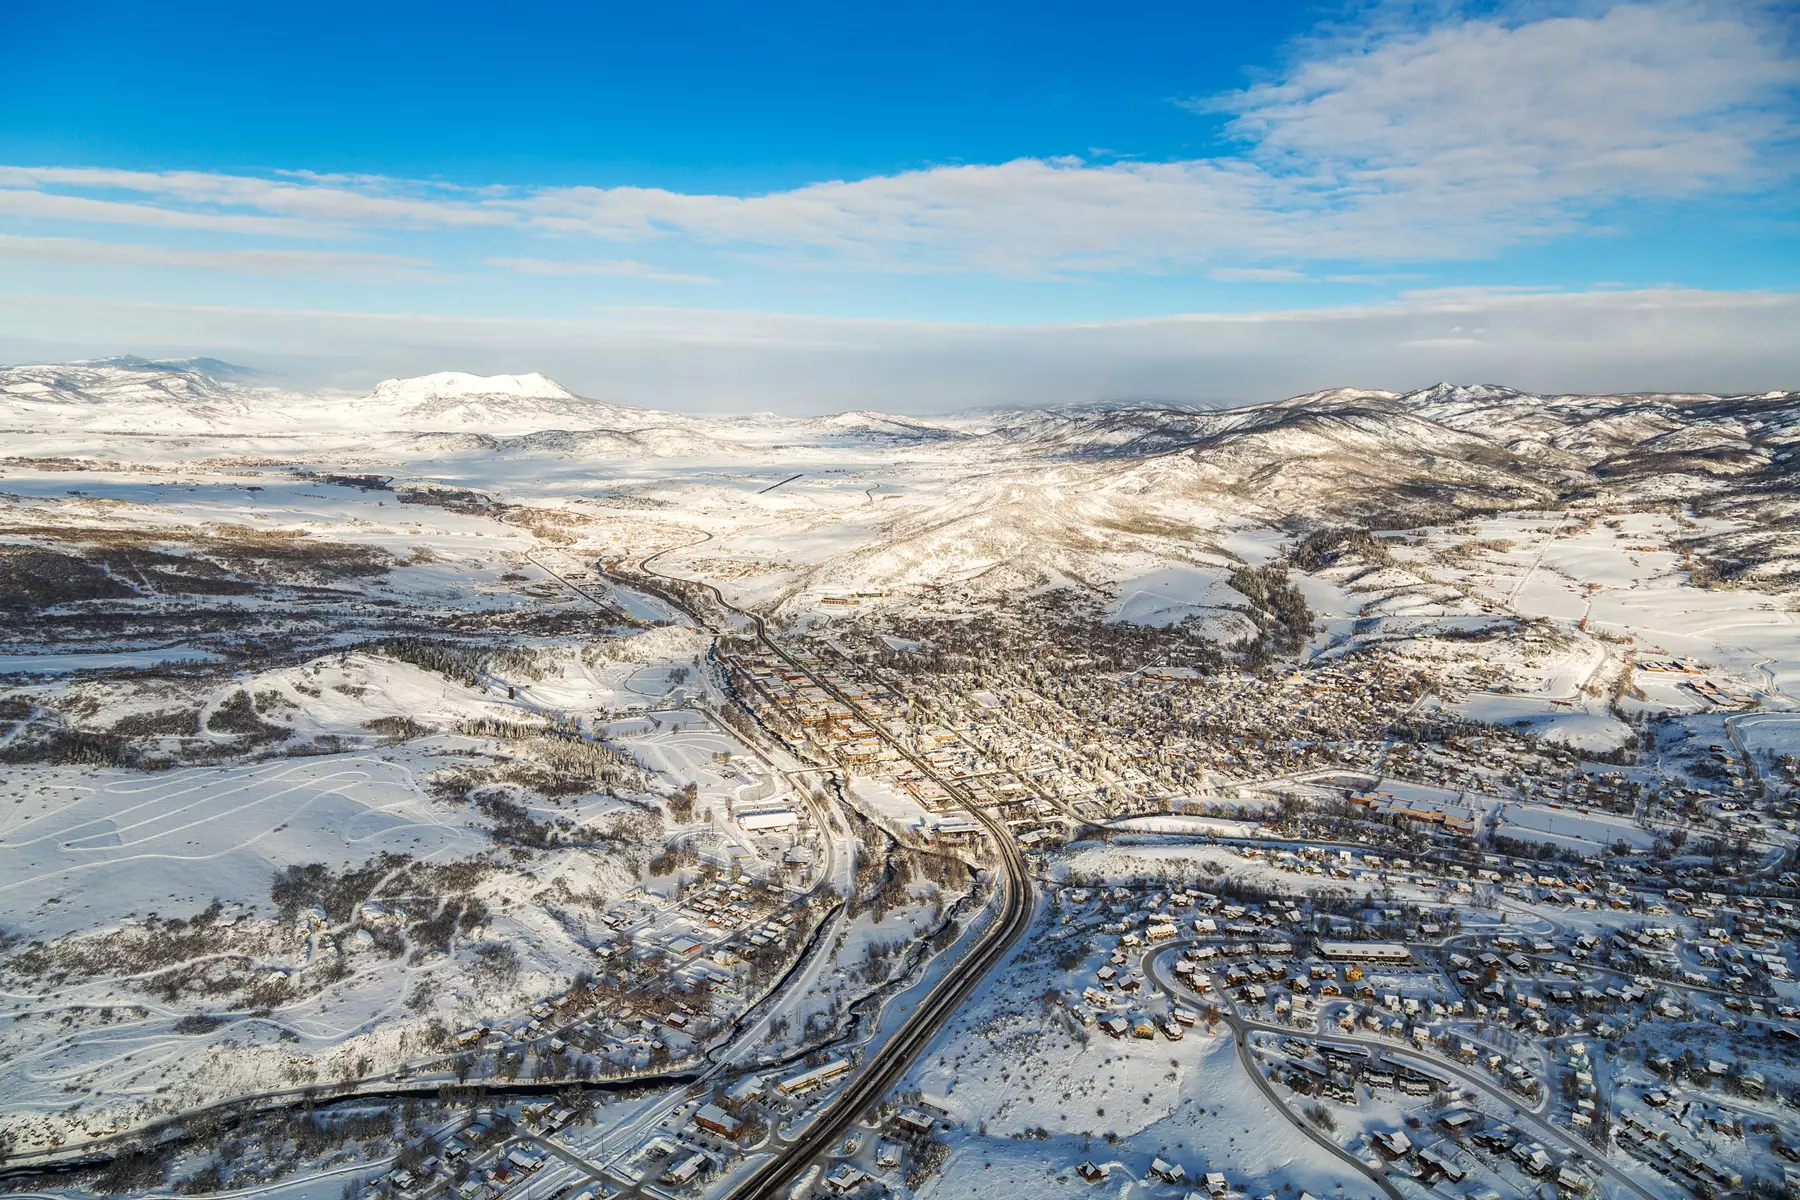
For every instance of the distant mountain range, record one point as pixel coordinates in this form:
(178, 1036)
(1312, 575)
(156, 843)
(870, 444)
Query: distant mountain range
(1345, 455)
(214, 367)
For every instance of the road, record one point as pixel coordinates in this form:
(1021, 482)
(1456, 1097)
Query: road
(883, 1068)
(1240, 1034)
(839, 869)
(1512, 597)
(1242, 1026)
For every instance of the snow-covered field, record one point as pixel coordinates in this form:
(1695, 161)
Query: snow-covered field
(1033, 1094)
(335, 725)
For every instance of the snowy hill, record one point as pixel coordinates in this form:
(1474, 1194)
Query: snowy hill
(136, 396)
(1341, 454)
(216, 368)
(874, 426)
(1075, 494)
(494, 404)
(132, 395)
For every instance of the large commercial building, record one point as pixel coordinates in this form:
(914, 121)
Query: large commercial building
(1376, 952)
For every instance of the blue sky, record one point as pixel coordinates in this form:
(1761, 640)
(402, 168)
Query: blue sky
(675, 187)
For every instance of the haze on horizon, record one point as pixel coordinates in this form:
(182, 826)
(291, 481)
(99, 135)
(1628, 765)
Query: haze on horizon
(820, 210)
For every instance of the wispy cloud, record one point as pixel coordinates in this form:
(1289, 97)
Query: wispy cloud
(90, 210)
(1406, 143)
(320, 203)
(625, 267)
(254, 261)
(1532, 123)
(1258, 275)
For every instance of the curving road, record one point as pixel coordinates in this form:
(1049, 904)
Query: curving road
(887, 1063)
(1242, 1026)
(1240, 1034)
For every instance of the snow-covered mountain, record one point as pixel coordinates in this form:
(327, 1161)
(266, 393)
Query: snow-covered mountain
(1068, 490)
(216, 368)
(1042, 494)
(884, 427)
(1346, 451)
(136, 396)
(501, 405)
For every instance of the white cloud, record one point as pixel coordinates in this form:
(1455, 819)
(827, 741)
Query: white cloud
(624, 267)
(255, 261)
(323, 202)
(1406, 144)
(87, 209)
(1258, 275)
(673, 358)
(1534, 123)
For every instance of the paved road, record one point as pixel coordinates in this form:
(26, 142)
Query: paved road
(1242, 1026)
(891, 1059)
(1240, 1033)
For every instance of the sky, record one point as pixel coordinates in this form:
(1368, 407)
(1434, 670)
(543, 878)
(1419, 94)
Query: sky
(914, 206)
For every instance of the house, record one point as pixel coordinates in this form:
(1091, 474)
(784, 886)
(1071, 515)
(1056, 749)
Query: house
(1433, 1160)
(1393, 1145)
(1571, 1180)
(913, 1121)
(847, 1178)
(714, 1119)
(748, 1088)
(1167, 1172)
(1215, 1184)
(686, 1170)
(1456, 1122)
(1092, 1172)
(1533, 1159)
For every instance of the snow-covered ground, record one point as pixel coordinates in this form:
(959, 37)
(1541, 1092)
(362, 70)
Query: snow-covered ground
(385, 652)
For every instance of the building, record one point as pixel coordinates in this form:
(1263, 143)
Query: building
(1394, 1145)
(846, 1178)
(766, 820)
(1376, 952)
(1455, 818)
(686, 1170)
(914, 1121)
(1168, 1172)
(714, 1119)
(1433, 1160)
(750, 1087)
(805, 1081)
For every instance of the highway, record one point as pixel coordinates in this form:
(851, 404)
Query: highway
(888, 1062)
